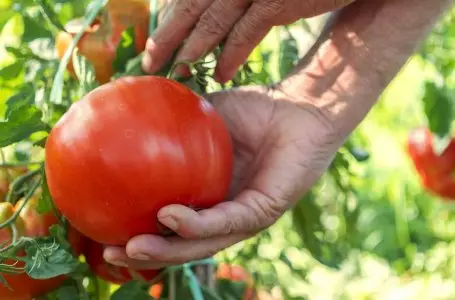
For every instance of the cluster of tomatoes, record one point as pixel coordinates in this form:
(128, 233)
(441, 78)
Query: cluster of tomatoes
(32, 224)
(436, 171)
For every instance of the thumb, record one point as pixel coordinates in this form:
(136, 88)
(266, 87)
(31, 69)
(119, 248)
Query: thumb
(249, 213)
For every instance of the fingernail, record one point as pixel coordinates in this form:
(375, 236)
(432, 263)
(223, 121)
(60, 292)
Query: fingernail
(118, 263)
(140, 256)
(170, 222)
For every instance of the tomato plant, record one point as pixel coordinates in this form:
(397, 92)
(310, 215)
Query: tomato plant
(30, 224)
(131, 147)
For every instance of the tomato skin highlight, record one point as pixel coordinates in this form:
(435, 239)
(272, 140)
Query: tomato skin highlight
(131, 147)
(30, 223)
(110, 273)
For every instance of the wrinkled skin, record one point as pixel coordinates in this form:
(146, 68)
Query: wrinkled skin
(121, 154)
(201, 25)
(31, 224)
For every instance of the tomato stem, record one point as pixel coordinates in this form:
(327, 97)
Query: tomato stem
(27, 198)
(16, 184)
(20, 164)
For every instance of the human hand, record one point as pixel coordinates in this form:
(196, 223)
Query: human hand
(281, 149)
(242, 24)
(285, 137)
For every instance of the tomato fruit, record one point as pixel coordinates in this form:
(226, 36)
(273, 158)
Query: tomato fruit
(99, 42)
(131, 147)
(110, 273)
(31, 224)
(435, 170)
(237, 273)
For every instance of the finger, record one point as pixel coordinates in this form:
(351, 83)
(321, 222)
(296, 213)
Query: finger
(180, 18)
(155, 252)
(214, 24)
(249, 213)
(244, 37)
(117, 256)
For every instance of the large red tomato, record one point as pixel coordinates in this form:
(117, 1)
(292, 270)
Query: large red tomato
(131, 147)
(114, 274)
(30, 224)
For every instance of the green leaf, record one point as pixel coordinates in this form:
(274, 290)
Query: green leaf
(34, 30)
(132, 290)
(5, 16)
(13, 70)
(20, 124)
(46, 259)
(232, 290)
(438, 105)
(45, 203)
(126, 50)
(24, 97)
(289, 55)
(68, 292)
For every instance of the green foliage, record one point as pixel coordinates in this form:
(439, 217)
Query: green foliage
(369, 205)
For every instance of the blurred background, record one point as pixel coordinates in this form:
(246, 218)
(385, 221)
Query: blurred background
(369, 229)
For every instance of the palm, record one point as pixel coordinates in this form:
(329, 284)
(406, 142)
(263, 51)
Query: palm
(275, 142)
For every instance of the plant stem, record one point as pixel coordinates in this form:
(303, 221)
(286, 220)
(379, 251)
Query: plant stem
(19, 182)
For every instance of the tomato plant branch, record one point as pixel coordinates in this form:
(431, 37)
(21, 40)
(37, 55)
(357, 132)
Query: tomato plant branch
(16, 184)
(20, 164)
(27, 198)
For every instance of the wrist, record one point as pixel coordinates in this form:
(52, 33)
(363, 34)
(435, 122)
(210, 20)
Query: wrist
(368, 44)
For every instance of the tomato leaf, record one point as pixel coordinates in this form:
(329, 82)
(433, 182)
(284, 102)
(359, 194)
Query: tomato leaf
(289, 54)
(20, 124)
(85, 72)
(24, 97)
(45, 259)
(126, 50)
(231, 289)
(13, 70)
(34, 30)
(45, 203)
(5, 16)
(132, 290)
(438, 107)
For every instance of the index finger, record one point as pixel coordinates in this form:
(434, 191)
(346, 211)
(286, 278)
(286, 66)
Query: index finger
(180, 18)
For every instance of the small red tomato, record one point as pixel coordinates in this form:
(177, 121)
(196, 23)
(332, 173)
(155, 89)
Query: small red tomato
(131, 147)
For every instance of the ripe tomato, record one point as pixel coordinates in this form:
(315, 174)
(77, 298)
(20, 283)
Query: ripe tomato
(99, 42)
(114, 274)
(31, 224)
(435, 170)
(131, 147)
(237, 274)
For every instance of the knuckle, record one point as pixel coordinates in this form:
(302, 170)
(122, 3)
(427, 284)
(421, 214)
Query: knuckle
(211, 24)
(188, 8)
(272, 8)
